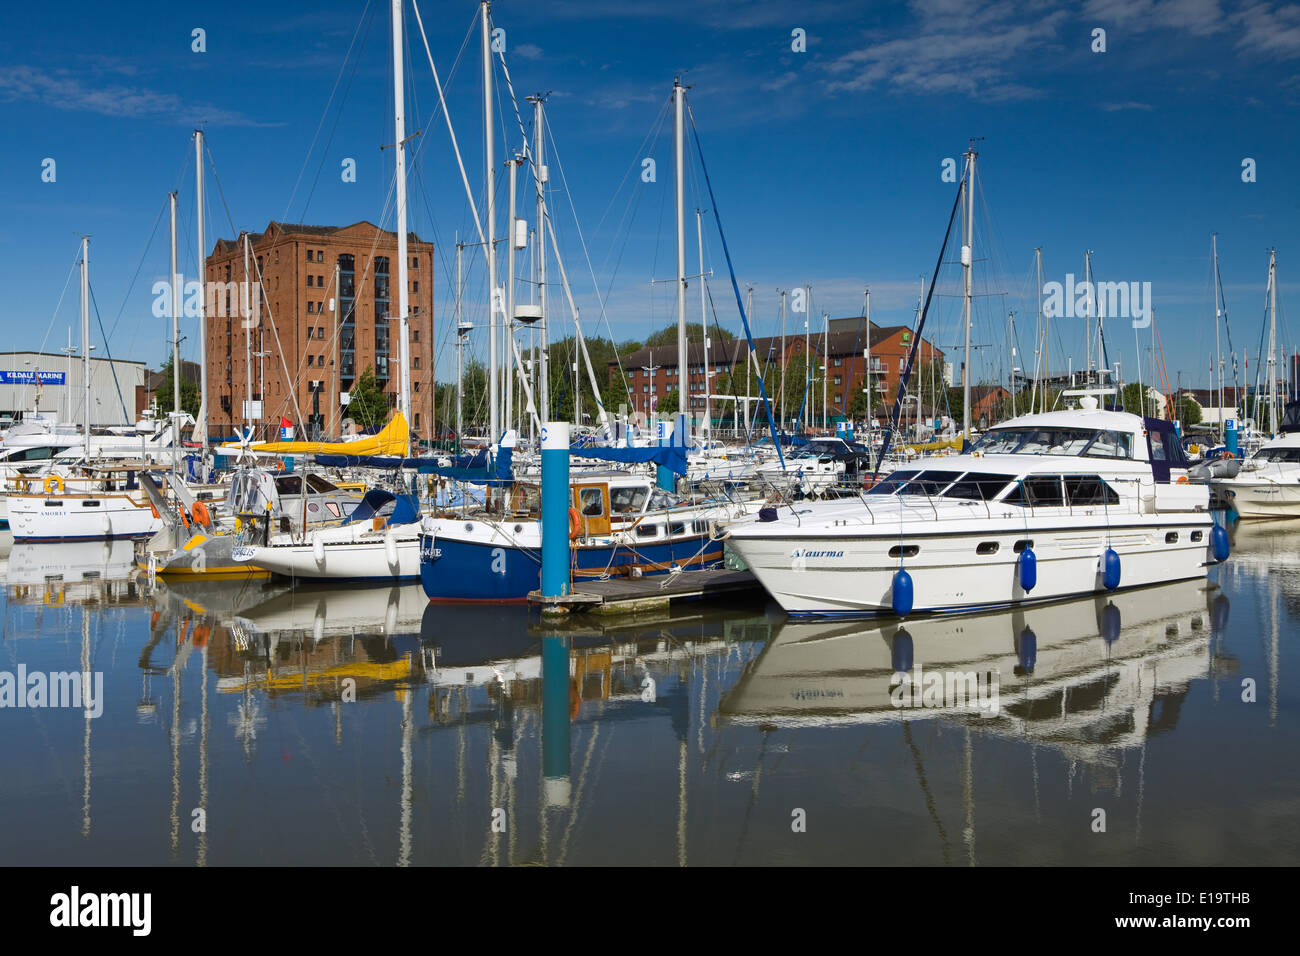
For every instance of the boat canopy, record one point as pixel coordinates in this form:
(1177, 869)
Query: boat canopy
(672, 457)
(405, 508)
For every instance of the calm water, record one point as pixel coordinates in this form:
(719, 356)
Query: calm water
(364, 727)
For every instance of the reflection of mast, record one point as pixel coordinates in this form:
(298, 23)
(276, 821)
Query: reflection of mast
(86, 685)
(201, 859)
(176, 752)
(404, 800)
(1273, 652)
(968, 798)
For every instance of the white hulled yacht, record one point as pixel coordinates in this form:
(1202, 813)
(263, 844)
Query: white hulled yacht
(1043, 507)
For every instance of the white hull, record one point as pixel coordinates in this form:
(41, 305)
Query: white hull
(1261, 497)
(79, 517)
(854, 573)
(349, 553)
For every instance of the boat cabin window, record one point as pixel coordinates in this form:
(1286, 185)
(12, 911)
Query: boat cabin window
(1037, 491)
(289, 484)
(1111, 444)
(1095, 443)
(891, 483)
(590, 503)
(1089, 490)
(627, 501)
(1278, 454)
(977, 486)
(931, 482)
(319, 485)
(42, 453)
(647, 530)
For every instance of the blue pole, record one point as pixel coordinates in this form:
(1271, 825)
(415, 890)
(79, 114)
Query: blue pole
(555, 720)
(665, 480)
(555, 509)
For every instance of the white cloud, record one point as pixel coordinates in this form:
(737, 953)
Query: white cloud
(59, 89)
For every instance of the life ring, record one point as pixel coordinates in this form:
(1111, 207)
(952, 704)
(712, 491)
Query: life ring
(1182, 480)
(54, 485)
(279, 464)
(575, 524)
(199, 512)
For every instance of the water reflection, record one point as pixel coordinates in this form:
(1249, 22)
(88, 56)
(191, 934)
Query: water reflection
(315, 726)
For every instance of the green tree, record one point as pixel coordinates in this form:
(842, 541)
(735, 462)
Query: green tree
(1187, 410)
(189, 391)
(668, 405)
(368, 406)
(667, 336)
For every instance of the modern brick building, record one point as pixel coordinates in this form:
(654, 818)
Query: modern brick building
(298, 266)
(652, 372)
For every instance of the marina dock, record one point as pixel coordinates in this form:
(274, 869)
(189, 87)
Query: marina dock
(634, 595)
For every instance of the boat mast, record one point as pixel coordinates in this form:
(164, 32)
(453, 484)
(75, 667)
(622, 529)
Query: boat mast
(460, 348)
(783, 358)
(176, 341)
(540, 176)
(704, 327)
(966, 296)
(201, 426)
(1087, 318)
(246, 309)
(683, 370)
(826, 367)
(866, 359)
(489, 166)
(508, 321)
(1043, 323)
(403, 261)
(1272, 342)
(85, 341)
(1218, 356)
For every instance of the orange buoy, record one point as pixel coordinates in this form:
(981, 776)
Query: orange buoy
(199, 512)
(575, 523)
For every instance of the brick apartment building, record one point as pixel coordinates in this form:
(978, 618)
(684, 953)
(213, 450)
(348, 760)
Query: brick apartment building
(297, 264)
(652, 373)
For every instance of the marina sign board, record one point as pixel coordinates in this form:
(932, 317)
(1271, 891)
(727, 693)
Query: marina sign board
(29, 377)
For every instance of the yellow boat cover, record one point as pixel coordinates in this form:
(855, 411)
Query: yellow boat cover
(393, 439)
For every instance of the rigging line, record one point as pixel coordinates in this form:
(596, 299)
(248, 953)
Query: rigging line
(321, 122)
(338, 115)
(749, 335)
(112, 367)
(586, 253)
(916, 339)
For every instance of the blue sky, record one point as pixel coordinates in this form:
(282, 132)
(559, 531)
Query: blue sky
(826, 163)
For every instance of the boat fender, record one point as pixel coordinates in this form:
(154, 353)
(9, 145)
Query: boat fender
(1219, 545)
(901, 597)
(575, 524)
(1110, 569)
(318, 548)
(1027, 568)
(390, 548)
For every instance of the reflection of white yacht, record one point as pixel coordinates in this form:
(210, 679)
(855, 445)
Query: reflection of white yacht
(1082, 674)
(69, 562)
(1091, 498)
(332, 612)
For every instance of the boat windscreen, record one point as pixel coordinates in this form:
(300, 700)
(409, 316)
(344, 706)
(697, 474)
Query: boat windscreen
(978, 486)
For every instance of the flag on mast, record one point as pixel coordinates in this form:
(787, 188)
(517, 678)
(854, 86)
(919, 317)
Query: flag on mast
(286, 429)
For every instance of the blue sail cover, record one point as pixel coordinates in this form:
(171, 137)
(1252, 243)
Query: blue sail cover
(672, 457)
(478, 468)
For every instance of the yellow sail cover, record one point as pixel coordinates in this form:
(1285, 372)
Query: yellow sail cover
(393, 439)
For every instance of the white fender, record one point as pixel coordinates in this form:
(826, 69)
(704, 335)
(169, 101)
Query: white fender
(318, 548)
(390, 548)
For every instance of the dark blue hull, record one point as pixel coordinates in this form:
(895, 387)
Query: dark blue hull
(468, 571)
